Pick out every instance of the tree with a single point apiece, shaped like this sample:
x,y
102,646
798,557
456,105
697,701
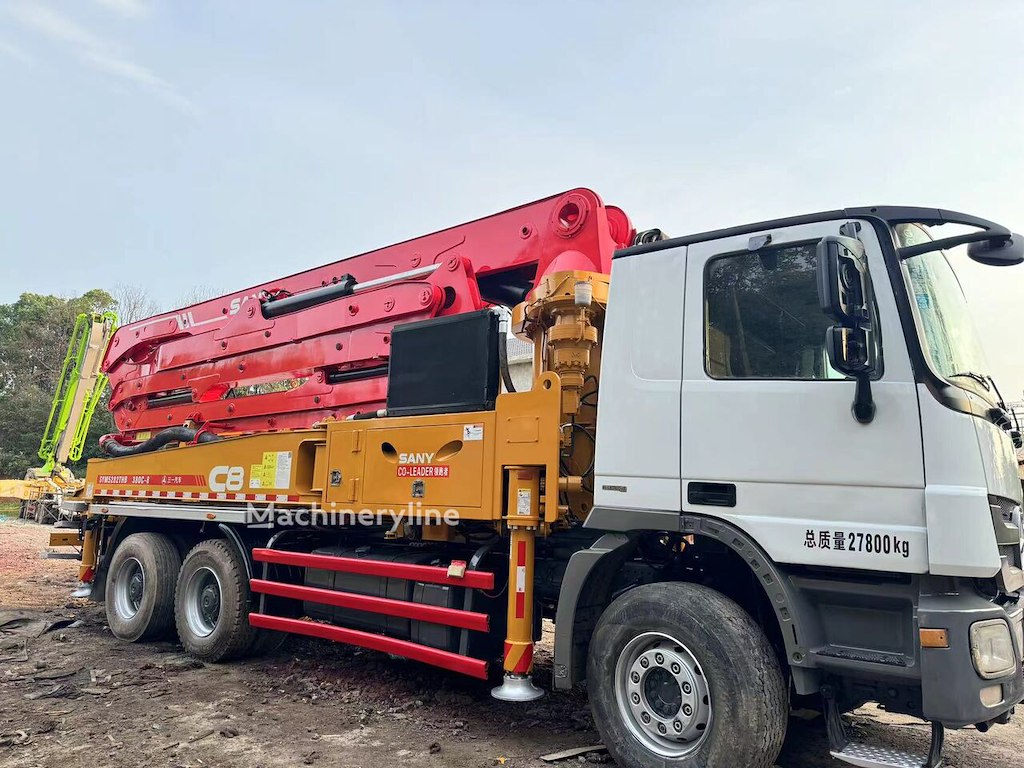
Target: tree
x,y
195,295
133,303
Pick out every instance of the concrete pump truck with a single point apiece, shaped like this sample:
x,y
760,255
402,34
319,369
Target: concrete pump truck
x,y
758,465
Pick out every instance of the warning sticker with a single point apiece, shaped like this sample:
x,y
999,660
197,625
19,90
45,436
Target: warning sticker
x,y
274,472
523,502
423,470
472,432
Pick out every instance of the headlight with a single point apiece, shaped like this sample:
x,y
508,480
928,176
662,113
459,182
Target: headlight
x,y
992,648
1018,631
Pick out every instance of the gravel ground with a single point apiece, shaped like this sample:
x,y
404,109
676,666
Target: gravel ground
x,y
75,697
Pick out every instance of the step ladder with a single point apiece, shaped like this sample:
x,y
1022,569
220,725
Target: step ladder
x,y
872,756
864,755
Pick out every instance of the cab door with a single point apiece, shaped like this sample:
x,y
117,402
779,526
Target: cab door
x,y
768,439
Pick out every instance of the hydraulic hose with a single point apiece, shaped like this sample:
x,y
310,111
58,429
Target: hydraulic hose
x,y
506,375
110,446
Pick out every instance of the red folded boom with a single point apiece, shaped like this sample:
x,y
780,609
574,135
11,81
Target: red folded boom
x,y
287,353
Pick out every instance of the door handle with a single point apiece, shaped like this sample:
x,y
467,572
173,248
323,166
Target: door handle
x,y
712,494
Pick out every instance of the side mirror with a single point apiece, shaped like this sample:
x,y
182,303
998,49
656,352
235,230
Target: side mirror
x,y
843,290
1001,252
842,280
850,350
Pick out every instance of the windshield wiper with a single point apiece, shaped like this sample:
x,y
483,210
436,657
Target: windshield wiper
x,y
975,376
1010,414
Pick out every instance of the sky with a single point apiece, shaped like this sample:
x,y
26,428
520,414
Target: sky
x,y
181,145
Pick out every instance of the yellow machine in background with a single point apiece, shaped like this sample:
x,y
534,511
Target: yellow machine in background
x,y
79,389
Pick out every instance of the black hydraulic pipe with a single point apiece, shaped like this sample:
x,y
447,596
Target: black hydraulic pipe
x,y
368,415
110,446
506,375
356,374
299,301
182,397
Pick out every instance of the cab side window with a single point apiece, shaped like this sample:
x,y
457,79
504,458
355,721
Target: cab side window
x,y
761,316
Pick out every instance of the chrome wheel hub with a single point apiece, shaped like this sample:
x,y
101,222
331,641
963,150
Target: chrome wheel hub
x,y
129,587
202,602
662,694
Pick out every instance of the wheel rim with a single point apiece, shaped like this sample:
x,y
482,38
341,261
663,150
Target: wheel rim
x,y
130,586
663,695
202,602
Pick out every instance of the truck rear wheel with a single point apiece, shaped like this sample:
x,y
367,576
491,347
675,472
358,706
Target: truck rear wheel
x,y
211,603
679,675
140,587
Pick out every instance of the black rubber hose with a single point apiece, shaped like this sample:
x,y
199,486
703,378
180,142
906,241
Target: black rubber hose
x,y
110,446
506,375
367,415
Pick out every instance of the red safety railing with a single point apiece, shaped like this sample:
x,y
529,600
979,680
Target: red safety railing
x,y
428,573
435,656
434,614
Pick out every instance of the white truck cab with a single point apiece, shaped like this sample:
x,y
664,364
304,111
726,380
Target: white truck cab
x,y
812,393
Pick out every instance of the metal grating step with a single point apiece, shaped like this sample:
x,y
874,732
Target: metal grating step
x,y
62,556
871,756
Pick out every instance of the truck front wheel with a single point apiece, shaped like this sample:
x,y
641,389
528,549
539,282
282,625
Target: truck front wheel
x,y
679,675
140,587
211,605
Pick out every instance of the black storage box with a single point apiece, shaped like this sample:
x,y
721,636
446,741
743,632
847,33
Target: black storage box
x,y
435,635
481,645
444,365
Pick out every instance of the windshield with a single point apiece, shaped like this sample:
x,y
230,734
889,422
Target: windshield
x,y
945,324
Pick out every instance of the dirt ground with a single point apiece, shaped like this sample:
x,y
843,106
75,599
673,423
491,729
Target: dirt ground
x,y
73,696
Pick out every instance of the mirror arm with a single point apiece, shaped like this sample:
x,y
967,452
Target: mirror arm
x,y
995,235
863,403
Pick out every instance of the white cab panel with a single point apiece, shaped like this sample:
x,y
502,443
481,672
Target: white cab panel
x,y
637,463
999,459
962,540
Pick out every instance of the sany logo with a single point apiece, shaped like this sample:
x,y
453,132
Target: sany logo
x,y
223,478
420,465
415,458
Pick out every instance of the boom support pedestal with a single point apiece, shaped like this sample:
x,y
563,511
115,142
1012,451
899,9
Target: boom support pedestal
x,y
523,518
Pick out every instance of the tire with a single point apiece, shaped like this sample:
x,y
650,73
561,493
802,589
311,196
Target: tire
x,y
140,587
211,603
662,648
